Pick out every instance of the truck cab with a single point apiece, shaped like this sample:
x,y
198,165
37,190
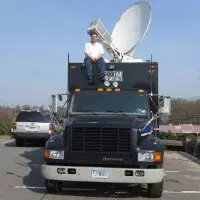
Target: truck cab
x,y
111,129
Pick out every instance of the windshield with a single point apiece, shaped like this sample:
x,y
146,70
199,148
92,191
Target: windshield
x,y
33,117
109,102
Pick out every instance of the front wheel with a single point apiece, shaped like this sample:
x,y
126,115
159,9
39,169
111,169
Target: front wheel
x,y
53,186
155,190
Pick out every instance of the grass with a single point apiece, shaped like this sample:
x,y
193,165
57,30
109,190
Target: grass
x,y
7,118
6,126
177,136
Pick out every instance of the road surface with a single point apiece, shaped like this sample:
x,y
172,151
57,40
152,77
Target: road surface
x,y
20,178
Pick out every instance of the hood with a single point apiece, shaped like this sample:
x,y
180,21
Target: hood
x,y
107,120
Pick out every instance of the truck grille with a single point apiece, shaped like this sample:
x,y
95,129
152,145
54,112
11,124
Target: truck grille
x,y
101,139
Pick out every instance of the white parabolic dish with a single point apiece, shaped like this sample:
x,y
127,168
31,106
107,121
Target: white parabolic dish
x,y
131,27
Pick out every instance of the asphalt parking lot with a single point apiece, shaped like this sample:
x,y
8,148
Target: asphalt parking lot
x,y
20,178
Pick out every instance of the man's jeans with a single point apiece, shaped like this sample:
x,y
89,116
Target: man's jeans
x,y
100,65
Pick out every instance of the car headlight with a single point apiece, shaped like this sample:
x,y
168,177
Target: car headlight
x,y
149,156
53,154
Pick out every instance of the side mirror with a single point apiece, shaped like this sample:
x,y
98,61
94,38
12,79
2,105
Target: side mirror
x,y
54,103
60,97
164,105
164,109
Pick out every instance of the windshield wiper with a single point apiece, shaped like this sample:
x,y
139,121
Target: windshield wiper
x,y
87,111
117,111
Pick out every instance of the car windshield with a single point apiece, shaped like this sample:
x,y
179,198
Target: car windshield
x,y
109,102
33,117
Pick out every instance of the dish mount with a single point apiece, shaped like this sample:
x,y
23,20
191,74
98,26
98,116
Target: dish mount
x,y
129,30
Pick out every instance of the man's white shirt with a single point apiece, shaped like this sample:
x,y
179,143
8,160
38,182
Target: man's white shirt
x,y
94,50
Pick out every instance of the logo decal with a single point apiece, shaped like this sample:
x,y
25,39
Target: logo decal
x,y
113,159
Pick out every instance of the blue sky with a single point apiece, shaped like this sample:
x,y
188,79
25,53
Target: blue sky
x,y
36,36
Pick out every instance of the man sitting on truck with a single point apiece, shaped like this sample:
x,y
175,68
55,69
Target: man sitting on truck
x,y
94,55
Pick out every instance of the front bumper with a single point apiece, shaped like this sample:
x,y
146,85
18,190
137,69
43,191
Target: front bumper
x,y
115,175
30,135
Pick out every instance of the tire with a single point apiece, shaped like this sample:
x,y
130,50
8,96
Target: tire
x,y
19,143
53,186
155,190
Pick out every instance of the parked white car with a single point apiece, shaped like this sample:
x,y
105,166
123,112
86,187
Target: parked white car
x,y
34,125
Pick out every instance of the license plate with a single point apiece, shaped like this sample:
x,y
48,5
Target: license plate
x,y
113,76
32,128
100,173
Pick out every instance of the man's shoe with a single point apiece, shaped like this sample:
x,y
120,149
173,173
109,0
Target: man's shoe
x,y
101,77
91,80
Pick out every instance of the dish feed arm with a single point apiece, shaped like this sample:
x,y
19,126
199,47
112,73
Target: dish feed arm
x,y
105,38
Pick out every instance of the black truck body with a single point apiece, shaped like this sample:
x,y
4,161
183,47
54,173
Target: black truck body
x,y
110,134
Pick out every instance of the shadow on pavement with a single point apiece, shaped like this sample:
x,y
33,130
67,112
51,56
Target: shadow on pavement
x,y
26,144
34,161
115,192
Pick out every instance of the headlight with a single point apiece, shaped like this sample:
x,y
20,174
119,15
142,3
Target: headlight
x,y
115,84
53,154
149,156
107,83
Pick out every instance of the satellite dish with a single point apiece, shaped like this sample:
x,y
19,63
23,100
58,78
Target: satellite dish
x,y
131,27
127,33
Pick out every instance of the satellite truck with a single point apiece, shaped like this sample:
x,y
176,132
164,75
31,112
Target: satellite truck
x,y
111,128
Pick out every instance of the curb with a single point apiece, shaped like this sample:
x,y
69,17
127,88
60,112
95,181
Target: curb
x,y
190,157
8,141
6,137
